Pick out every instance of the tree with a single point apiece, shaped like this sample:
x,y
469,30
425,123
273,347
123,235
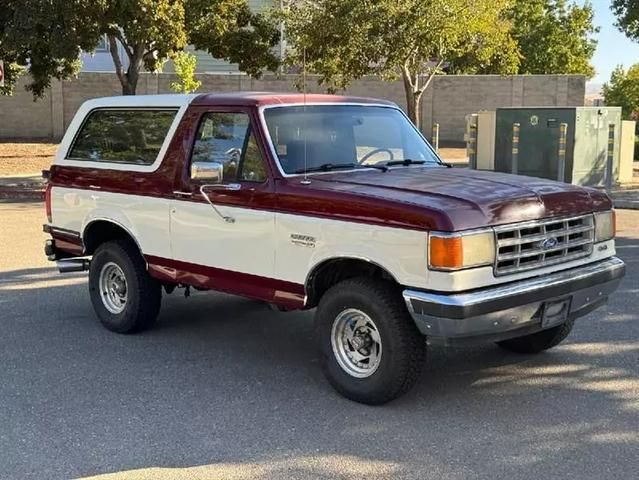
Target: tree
x,y
414,39
185,65
627,12
228,29
44,38
150,32
554,36
623,90
153,31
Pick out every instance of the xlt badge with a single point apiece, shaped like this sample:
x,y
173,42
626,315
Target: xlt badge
x,y
303,240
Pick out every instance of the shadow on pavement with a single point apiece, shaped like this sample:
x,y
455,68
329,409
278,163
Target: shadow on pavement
x,y
226,388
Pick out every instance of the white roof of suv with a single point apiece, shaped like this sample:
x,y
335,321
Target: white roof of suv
x,y
170,100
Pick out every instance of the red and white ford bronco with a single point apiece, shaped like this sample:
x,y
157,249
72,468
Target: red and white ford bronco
x,y
330,202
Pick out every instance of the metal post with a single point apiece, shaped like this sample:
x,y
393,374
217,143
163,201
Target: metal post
x,y
561,165
435,139
472,146
610,159
514,166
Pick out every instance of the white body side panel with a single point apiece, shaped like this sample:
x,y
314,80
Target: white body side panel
x,y
401,252
145,218
200,236
261,243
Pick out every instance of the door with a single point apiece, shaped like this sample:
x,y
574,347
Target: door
x,y
222,221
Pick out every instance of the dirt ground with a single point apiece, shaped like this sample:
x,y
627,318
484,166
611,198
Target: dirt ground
x,y
22,158
454,155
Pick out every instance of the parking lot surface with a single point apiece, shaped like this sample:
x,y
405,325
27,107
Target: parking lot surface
x,y
224,388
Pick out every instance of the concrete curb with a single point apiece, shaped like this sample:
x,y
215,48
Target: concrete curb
x,y
22,187
626,205
12,193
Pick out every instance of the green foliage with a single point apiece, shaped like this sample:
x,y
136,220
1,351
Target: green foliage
x,y
554,36
627,12
185,64
229,29
623,90
151,31
414,39
44,37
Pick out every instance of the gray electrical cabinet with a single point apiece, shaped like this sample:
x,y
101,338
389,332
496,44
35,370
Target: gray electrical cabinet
x,y
586,142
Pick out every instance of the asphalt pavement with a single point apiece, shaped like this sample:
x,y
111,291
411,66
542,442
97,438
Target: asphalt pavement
x,y
224,388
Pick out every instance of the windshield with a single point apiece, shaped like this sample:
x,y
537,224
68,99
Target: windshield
x,y
343,135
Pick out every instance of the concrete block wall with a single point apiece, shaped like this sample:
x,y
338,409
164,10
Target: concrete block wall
x,y
447,101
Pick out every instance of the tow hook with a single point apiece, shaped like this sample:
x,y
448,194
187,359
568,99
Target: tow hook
x,y
73,265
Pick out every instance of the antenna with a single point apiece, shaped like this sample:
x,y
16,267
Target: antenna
x,y
305,181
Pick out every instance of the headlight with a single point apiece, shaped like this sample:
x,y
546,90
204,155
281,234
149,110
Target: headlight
x,y
463,250
605,225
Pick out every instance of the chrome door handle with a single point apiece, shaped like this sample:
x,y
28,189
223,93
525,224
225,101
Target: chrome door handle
x,y
183,194
224,186
203,188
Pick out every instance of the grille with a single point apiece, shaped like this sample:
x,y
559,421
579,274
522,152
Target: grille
x,y
531,245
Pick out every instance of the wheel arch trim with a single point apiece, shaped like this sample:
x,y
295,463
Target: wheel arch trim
x,y
323,262
118,224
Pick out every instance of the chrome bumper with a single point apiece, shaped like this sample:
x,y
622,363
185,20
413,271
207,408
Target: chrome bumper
x,y
516,308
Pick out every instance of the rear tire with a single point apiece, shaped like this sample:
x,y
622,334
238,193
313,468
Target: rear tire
x,y
368,313
125,297
540,341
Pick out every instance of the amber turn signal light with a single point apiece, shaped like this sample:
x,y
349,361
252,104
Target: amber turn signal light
x,y
446,252
454,251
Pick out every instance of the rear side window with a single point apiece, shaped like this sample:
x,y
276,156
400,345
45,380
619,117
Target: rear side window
x,y
122,136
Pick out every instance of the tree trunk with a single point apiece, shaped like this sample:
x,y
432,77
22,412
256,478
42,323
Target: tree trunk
x,y
417,109
413,99
414,91
128,79
130,83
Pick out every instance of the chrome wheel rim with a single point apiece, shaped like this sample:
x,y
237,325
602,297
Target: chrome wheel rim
x,y
113,288
356,342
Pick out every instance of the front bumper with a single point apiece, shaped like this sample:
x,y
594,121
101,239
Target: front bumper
x,y
516,308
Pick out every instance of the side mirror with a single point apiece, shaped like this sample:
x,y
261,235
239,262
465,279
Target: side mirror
x,y
207,171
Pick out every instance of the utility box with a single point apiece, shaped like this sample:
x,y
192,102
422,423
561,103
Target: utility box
x,y
627,152
586,142
484,122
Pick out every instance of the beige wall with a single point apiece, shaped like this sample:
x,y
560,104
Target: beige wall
x,y
447,102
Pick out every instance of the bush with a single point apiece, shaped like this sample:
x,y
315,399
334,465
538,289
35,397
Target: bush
x,y
185,65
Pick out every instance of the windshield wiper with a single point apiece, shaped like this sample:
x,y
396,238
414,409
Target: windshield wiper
x,y
325,167
408,161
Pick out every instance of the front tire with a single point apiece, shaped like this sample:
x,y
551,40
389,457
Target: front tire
x,y
125,297
540,341
371,351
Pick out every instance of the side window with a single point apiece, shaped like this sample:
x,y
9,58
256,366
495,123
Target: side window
x,y
122,136
226,138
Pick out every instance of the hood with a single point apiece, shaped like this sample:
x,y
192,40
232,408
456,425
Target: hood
x,y
462,198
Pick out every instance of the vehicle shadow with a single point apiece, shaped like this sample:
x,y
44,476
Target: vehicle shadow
x,y
224,387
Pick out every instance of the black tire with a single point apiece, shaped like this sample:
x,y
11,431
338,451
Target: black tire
x,y
403,346
540,341
143,293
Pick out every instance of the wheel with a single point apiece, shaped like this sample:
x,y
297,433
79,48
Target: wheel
x,y
125,297
370,349
540,341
